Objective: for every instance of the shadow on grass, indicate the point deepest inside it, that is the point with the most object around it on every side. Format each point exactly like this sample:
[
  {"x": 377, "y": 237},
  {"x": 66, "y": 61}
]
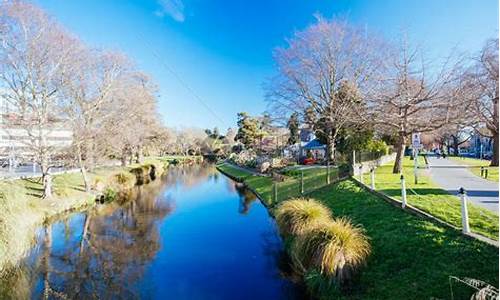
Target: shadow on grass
[
  {"x": 411, "y": 258},
  {"x": 420, "y": 191},
  {"x": 437, "y": 192}
]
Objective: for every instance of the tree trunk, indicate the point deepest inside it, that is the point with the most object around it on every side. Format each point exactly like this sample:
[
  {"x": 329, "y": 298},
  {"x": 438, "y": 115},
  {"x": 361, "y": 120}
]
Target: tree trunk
[
  {"x": 81, "y": 164},
  {"x": 398, "y": 164},
  {"x": 123, "y": 158},
  {"x": 455, "y": 144},
  {"x": 330, "y": 149},
  {"x": 139, "y": 155},
  {"x": 494, "y": 158},
  {"x": 47, "y": 185},
  {"x": 46, "y": 179}
]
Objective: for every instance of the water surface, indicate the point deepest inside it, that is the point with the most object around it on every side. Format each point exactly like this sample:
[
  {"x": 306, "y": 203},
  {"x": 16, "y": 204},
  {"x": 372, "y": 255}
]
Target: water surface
[{"x": 193, "y": 234}]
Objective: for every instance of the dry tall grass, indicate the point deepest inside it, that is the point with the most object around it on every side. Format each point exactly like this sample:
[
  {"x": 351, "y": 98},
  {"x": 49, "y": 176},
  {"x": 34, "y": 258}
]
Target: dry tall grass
[
  {"x": 16, "y": 223},
  {"x": 336, "y": 248},
  {"x": 296, "y": 216}
]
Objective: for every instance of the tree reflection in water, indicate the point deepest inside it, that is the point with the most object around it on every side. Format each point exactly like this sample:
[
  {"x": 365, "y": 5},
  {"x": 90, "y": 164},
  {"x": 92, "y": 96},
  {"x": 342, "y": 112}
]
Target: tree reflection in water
[
  {"x": 114, "y": 247},
  {"x": 103, "y": 253},
  {"x": 247, "y": 197}
]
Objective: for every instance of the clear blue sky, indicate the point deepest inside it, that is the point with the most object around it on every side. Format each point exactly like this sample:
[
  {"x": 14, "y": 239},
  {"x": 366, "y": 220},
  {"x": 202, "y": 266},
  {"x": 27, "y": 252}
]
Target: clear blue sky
[{"x": 222, "y": 50}]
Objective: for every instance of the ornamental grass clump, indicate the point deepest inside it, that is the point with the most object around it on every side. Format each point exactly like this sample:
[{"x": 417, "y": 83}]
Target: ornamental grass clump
[
  {"x": 296, "y": 216},
  {"x": 335, "y": 249},
  {"x": 123, "y": 180}
]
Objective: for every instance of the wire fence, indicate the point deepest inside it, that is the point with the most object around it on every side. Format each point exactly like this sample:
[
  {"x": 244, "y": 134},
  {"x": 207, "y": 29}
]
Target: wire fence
[{"x": 299, "y": 182}]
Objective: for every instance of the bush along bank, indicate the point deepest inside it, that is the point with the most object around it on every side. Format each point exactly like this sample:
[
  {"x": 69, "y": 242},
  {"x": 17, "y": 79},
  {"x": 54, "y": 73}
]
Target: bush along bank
[
  {"x": 330, "y": 250},
  {"x": 410, "y": 257},
  {"x": 22, "y": 208},
  {"x": 119, "y": 185}
]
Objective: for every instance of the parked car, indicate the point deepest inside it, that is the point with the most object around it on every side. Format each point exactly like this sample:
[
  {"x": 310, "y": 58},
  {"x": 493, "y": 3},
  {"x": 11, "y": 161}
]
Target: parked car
[{"x": 308, "y": 161}]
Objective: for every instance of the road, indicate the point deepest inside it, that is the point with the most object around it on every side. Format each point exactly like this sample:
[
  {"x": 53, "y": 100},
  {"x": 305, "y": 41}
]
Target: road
[
  {"x": 26, "y": 171},
  {"x": 451, "y": 176}
]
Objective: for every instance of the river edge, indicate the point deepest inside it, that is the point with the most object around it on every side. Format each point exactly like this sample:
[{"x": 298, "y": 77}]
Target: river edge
[
  {"x": 347, "y": 199},
  {"x": 19, "y": 223}
]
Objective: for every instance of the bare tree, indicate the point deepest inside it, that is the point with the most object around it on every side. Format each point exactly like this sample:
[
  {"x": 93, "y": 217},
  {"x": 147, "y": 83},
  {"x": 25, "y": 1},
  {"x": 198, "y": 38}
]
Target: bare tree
[
  {"x": 482, "y": 84},
  {"x": 34, "y": 58},
  {"x": 325, "y": 70},
  {"x": 132, "y": 118},
  {"x": 93, "y": 79},
  {"x": 413, "y": 96}
]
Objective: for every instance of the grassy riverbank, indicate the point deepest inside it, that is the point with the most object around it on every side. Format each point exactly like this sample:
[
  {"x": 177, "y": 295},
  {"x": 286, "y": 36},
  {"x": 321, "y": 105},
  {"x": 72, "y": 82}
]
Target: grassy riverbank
[
  {"x": 475, "y": 166},
  {"x": 430, "y": 198},
  {"x": 22, "y": 208},
  {"x": 411, "y": 258}
]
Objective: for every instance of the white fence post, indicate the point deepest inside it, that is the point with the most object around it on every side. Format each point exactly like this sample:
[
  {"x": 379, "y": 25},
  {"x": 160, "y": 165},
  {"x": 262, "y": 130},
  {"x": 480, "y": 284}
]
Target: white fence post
[
  {"x": 372, "y": 173},
  {"x": 403, "y": 191},
  {"x": 465, "y": 213},
  {"x": 301, "y": 182}
]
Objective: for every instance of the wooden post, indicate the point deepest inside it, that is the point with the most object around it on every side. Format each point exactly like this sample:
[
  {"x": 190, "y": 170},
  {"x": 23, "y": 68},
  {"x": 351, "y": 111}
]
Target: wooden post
[
  {"x": 361, "y": 173},
  {"x": 465, "y": 213},
  {"x": 403, "y": 191},
  {"x": 353, "y": 162},
  {"x": 275, "y": 192},
  {"x": 372, "y": 173},
  {"x": 486, "y": 173}
]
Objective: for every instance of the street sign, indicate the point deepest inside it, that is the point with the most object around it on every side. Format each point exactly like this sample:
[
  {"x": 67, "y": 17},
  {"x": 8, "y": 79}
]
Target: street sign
[{"x": 415, "y": 140}]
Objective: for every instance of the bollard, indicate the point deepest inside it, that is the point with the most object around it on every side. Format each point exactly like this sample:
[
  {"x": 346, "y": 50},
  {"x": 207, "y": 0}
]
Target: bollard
[
  {"x": 482, "y": 171},
  {"x": 403, "y": 191},
  {"x": 372, "y": 174},
  {"x": 361, "y": 173},
  {"x": 486, "y": 173},
  {"x": 465, "y": 214},
  {"x": 302, "y": 182}
]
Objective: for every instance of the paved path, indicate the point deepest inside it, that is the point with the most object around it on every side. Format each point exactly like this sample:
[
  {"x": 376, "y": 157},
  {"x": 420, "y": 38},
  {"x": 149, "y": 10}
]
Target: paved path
[{"x": 451, "y": 176}]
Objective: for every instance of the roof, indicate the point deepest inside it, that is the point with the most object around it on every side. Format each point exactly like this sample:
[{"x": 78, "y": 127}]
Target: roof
[{"x": 314, "y": 144}]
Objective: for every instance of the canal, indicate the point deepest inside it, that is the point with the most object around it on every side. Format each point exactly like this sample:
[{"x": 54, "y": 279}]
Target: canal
[{"x": 193, "y": 234}]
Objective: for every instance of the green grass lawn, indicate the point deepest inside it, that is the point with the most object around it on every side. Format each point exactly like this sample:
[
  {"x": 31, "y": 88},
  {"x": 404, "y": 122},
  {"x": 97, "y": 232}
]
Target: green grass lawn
[
  {"x": 314, "y": 178},
  {"x": 411, "y": 258},
  {"x": 476, "y": 165},
  {"x": 429, "y": 197}
]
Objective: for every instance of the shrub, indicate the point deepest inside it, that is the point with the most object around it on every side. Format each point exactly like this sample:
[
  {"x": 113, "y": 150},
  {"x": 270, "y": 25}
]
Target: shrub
[
  {"x": 110, "y": 194},
  {"x": 123, "y": 179},
  {"x": 377, "y": 146},
  {"x": 296, "y": 216},
  {"x": 335, "y": 249}
]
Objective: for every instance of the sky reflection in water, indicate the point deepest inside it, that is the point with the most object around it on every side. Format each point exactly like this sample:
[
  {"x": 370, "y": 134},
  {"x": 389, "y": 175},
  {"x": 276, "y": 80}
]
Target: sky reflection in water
[{"x": 194, "y": 234}]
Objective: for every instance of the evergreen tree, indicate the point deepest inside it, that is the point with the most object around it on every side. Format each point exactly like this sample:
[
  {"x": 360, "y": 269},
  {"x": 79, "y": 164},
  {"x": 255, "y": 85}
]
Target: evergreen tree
[{"x": 248, "y": 130}]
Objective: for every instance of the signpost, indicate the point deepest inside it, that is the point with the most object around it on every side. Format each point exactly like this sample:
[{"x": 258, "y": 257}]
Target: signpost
[{"x": 416, "y": 145}]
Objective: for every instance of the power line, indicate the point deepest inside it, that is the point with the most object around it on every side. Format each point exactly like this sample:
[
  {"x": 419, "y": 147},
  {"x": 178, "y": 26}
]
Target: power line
[{"x": 184, "y": 84}]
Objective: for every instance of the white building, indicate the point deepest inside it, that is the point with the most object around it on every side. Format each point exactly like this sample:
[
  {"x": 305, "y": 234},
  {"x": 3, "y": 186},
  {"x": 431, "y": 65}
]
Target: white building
[{"x": 16, "y": 141}]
